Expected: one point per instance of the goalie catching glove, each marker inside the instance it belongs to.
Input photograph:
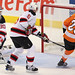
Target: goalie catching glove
(43, 36)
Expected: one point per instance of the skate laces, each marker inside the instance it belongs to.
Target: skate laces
(31, 67)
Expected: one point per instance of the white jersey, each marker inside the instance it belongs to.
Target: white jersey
(3, 30)
(25, 25)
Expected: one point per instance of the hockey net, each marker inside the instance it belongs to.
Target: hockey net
(51, 24)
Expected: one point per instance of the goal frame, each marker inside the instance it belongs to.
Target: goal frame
(42, 23)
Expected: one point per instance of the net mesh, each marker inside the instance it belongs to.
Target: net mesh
(53, 27)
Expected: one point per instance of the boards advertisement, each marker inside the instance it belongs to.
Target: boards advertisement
(71, 11)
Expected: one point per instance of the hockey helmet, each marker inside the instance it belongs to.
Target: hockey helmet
(0, 8)
(33, 6)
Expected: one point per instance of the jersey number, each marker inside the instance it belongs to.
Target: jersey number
(72, 27)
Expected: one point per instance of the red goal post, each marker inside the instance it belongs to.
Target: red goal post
(42, 23)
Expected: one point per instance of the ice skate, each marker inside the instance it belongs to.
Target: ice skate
(31, 68)
(9, 68)
(61, 63)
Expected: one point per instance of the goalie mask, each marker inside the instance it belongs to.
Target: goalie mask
(33, 6)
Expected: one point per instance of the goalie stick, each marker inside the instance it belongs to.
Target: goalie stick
(56, 43)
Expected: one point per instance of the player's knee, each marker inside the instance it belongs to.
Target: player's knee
(18, 51)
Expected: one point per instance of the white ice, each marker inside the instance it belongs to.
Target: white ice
(46, 63)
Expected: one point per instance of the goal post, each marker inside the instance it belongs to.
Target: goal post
(42, 17)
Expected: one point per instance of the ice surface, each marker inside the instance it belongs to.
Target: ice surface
(46, 63)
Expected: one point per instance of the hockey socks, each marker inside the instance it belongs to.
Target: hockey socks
(29, 64)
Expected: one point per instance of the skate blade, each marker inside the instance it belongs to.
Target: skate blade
(11, 70)
(62, 67)
(29, 71)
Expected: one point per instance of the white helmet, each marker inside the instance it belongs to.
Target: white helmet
(0, 8)
(33, 6)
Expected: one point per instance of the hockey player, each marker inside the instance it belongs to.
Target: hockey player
(69, 39)
(2, 33)
(25, 26)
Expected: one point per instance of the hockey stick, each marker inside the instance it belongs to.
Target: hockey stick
(56, 43)
(53, 42)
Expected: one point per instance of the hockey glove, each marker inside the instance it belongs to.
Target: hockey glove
(43, 36)
(28, 30)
